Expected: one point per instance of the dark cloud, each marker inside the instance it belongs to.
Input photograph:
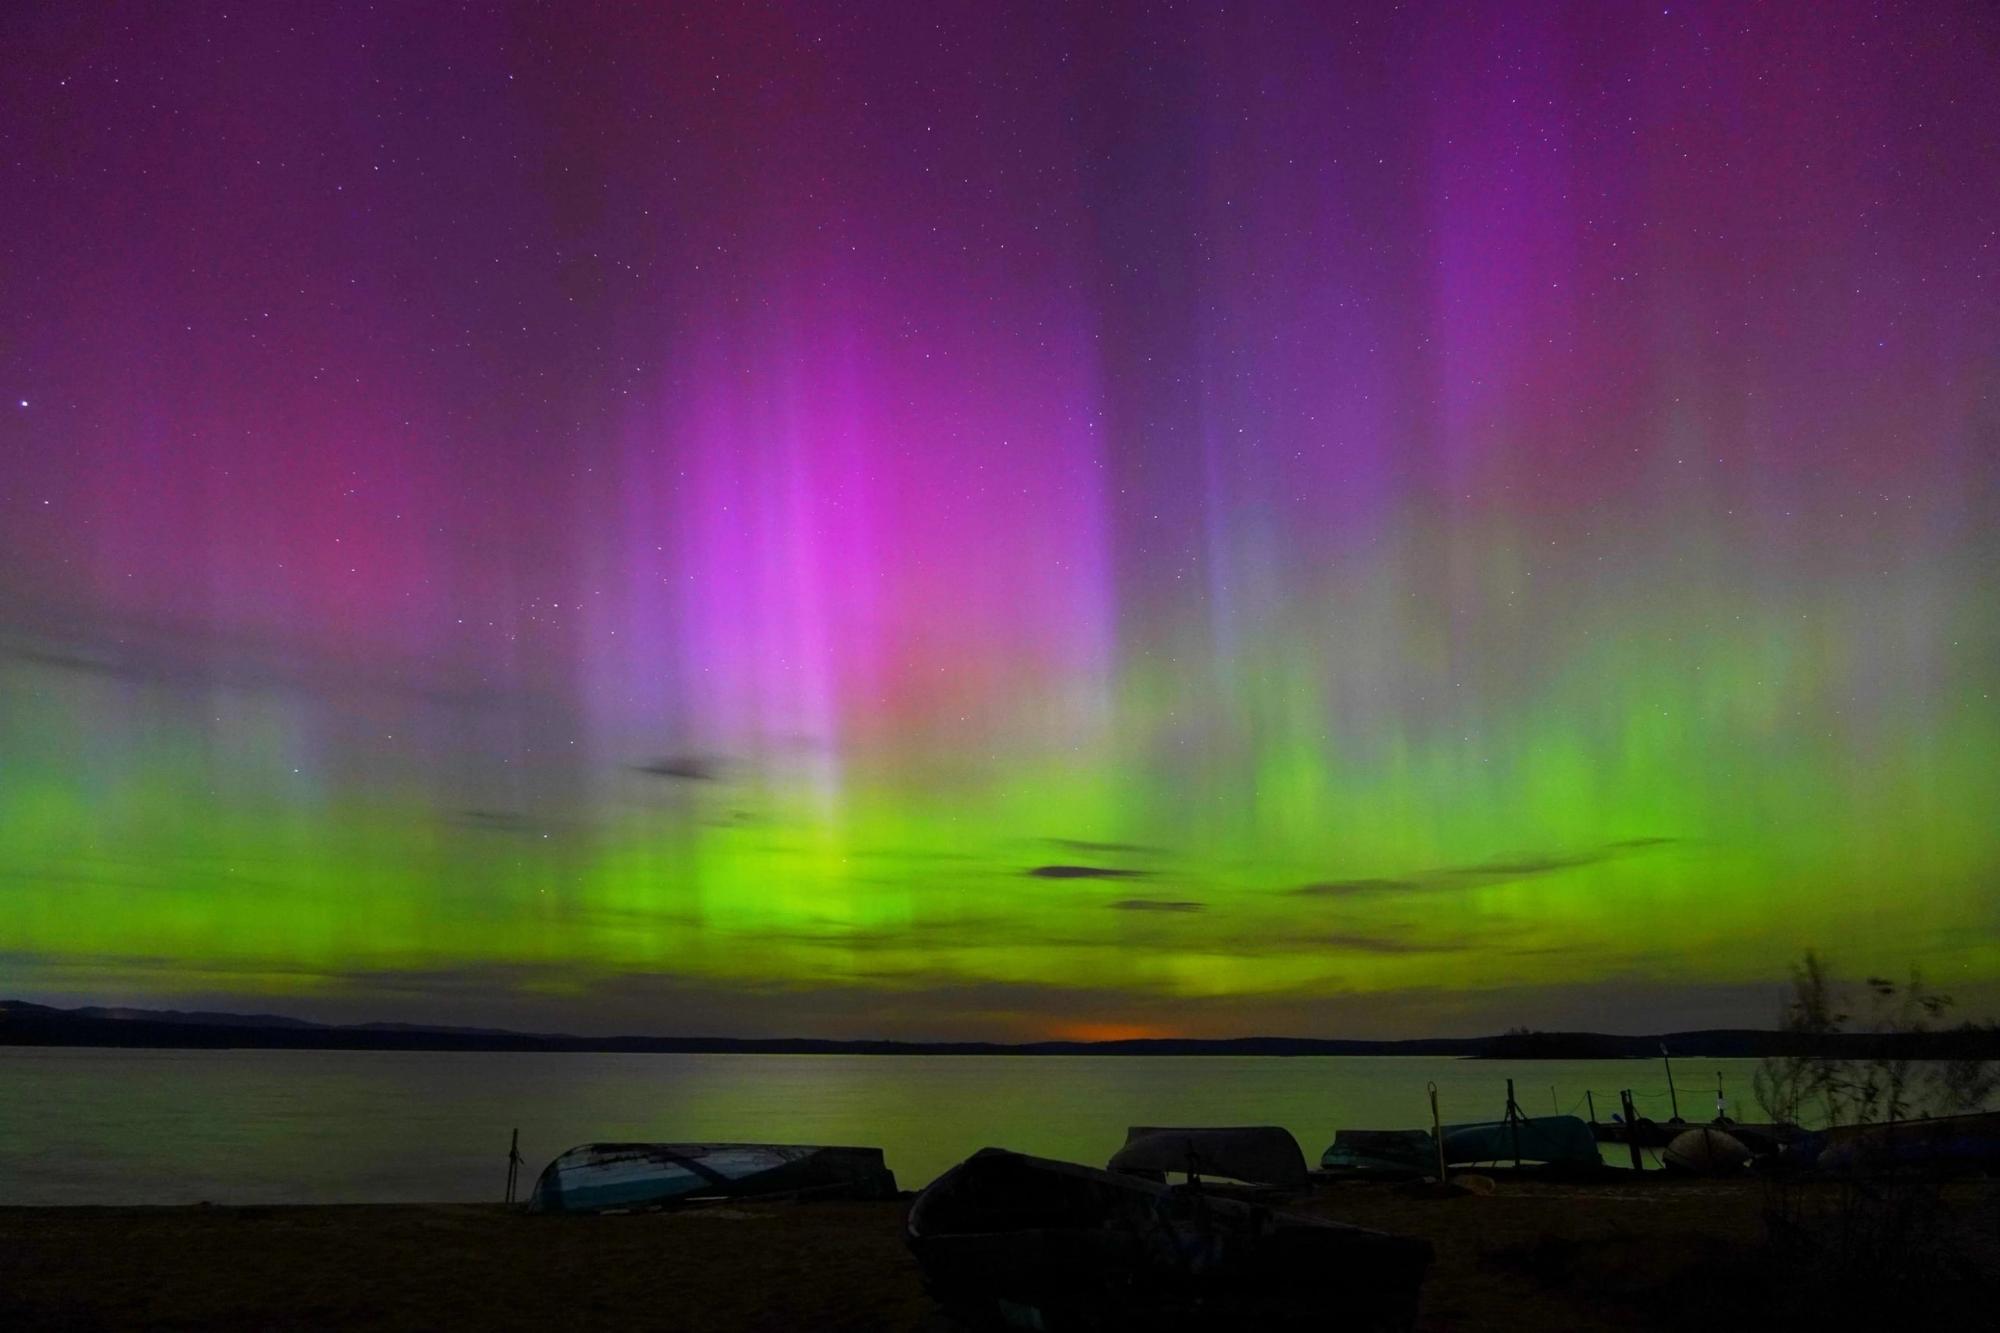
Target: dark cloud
(1101, 848)
(26, 962)
(1525, 867)
(1085, 872)
(59, 660)
(1382, 944)
(1341, 888)
(1159, 905)
(1499, 871)
(168, 655)
(495, 821)
(913, 855)
(684, 768)
(944, 934)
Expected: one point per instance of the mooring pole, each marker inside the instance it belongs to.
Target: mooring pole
(1631, 1128)
(1514, 1123)
(1437, 1130)
(1721, 1109)
(1674, 1096)
(513, 1164)
(1588, 1096)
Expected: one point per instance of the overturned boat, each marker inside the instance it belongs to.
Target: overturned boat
(1557, 1140)
(1954, 1143)
(1253, 1154)
(1551, 1140)
(603, 1177)
(1761, 1139)
(1392, 1154)
(1706, 1151)
(1011, 1241)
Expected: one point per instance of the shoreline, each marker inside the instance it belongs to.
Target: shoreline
(32, 1026)
(1531, 1255)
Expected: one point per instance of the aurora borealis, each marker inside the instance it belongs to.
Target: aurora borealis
(980, 520)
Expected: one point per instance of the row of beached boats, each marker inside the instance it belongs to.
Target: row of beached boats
(601, 1177)
(1950, 1144)
(1009, 1240)
(606, 1177)
(1191, 1227)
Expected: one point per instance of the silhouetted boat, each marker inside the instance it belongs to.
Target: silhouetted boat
(1944, 1143)
(601, 1177)
(1388, 1153)
(1007, 1240)
(1760, 1139)
(1705, 1151)
(1253, 1154)
(1555, 1140)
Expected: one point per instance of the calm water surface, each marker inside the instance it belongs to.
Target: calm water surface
(102, 1127)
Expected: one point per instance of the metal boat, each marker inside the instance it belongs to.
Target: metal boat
(1011, 1241)
(606, 1177)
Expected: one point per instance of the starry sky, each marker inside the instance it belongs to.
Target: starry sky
(972, 520)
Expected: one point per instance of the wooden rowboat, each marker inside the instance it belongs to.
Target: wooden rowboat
(606, 1177)
(1011, 1241)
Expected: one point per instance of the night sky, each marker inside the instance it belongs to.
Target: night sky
(963, 519)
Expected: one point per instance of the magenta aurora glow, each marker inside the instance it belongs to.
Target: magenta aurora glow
(971, 520)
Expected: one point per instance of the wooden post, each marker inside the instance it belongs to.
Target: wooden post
(1590, 1097)
(1513, 1123)
(1674, 1096)
(1721, 1107)
(1631, 1128)
(513, 1164)
(1437, 1131)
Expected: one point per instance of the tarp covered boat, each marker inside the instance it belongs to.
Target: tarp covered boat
(1760, 1139)
(1943, 1143)
(1563, 1140)
(598, 1177)
(1007, 1240)
(1558, 1139)
(1254, 1154)
(1705, 1151)
(1380, 1152)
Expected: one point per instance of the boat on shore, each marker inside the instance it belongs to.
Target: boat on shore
(1561, 1141)
(1705, 1151)
(1253, 1154)
(1953, 1143)
(1760, 1139)
(611, 1177)
(1007, 1240)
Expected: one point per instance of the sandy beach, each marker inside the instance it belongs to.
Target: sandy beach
(1530, 1256)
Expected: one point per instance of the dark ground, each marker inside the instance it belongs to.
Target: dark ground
(1530, 1256)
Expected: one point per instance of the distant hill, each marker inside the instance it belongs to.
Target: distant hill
(24, 1024)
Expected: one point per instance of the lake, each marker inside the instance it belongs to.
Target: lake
(85, 1126)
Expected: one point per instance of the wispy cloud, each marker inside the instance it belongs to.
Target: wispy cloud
(1382, 944)
(684, 767)
(1345, 888)
(1158, 905)
(496, 821)
(1498, 871)
(1102, 848)
(1085, 872)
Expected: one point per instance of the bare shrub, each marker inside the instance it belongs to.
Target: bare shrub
(1879, 1235)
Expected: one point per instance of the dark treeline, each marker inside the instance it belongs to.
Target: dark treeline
(23, 1024)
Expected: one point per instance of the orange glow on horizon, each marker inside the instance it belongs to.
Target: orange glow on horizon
(1092, 1031)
